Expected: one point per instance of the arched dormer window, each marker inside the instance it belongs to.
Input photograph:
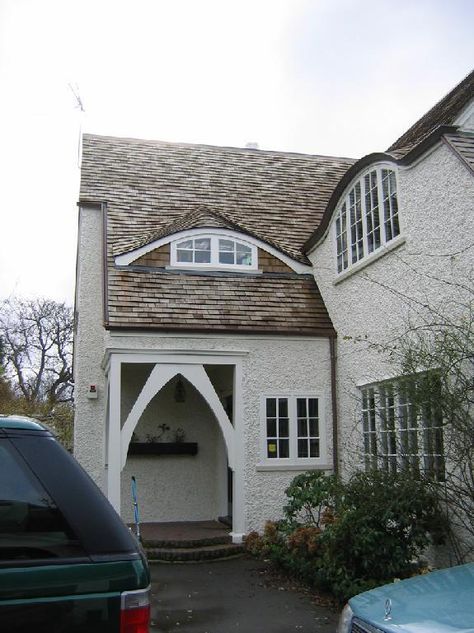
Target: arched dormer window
(367, 217)
(214, 251)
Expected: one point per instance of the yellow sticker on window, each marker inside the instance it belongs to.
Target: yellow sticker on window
(272, 448)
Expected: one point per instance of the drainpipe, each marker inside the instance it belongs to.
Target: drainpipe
(335, 458)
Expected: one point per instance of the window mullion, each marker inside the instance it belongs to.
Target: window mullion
(293, 427)
(364, 217)
(383, 236)
(214, 250)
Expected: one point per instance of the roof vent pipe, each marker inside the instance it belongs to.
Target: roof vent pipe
(251, 145)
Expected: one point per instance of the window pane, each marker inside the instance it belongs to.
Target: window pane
(244, 255)
(31, 525)
(186, 244)
(313, 427)
(284, 446)
(184, 256)
(314, 448)
(203, 244)
(301, 407)
(272, 449)
(283, 407)
(202, 257)
(303, 428)
(226, 245)
(313, 407)
(271, 428)
(271, 407)
(302, 448)
(283, 427)
(226, 258)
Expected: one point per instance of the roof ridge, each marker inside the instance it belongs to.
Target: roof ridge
(443, 112)
(230, 148)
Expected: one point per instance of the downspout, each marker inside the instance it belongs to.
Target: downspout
(335, 456)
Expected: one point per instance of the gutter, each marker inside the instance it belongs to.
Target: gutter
(335, 454)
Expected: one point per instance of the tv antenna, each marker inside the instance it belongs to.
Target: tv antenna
(77, 96)
(79, 106)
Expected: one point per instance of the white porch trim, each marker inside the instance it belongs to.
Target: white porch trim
(191, 367)
(114, 434)
(159, 377)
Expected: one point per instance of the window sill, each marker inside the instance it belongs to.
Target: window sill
(213, 269)
(292, 467)
(399, 241)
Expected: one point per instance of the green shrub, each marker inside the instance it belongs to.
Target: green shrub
(384, 522)
(311, 500)
(347, 538)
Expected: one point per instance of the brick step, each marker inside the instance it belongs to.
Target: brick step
(187, 543)
(193, 554)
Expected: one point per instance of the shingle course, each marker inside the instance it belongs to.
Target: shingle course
(247, 303)
(444, 112)
(463, 145)
(149, 185)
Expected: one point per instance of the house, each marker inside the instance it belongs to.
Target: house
(228, 301)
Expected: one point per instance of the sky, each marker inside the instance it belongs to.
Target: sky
(333, 77)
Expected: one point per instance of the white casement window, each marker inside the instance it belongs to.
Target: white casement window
(214, 251)
(292, 429)
(367, 217)
(401, 429)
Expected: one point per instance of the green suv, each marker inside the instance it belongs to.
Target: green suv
(67, 562)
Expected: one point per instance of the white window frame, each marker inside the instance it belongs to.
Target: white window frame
(389, 425)
(293, 460)
(214, 263)
(350, 252)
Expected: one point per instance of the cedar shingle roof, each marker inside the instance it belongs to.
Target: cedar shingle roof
(160, 300)
(463, 146)
(444, 112)
(148, 185)
(154, 189)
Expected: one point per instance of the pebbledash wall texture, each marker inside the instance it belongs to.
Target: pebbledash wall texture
(168, 489)
(423, 271)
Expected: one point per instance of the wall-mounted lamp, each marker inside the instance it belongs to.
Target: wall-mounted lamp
(179, 391)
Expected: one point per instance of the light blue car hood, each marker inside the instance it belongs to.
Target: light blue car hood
(439, 602)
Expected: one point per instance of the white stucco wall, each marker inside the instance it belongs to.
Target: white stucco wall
(89, 421)
(269, 366)
(381, 300)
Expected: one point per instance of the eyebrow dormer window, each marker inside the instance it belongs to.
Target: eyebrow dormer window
(214, 251)
(367, 218)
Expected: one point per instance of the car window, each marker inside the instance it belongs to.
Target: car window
(31, 525)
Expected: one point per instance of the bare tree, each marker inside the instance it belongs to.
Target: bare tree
(446, 349)
(37, 349)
